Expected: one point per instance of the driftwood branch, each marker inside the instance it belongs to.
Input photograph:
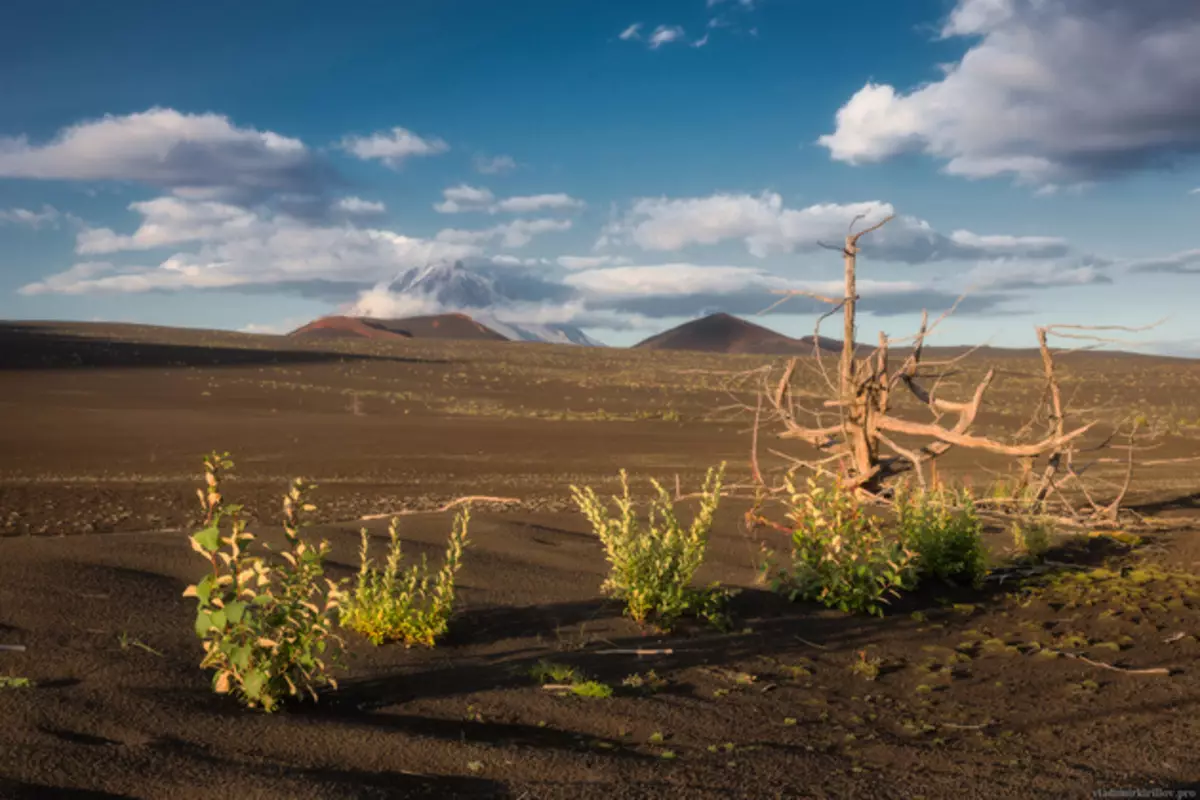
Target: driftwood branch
(452, 504)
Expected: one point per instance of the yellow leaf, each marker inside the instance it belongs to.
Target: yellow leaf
(190, 591)
(222, 685)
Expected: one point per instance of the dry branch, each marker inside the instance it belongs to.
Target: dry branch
(458, 502)
(853, 426)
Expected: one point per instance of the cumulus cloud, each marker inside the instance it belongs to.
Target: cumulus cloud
(494, 165)
(47, 217)
(161, 147)
(233, 247)
(393, 147)
(168, 221)
(665, 34)
(517, 233)
(767, 226)
(464, 198)
(356, 205)
(1061, 92)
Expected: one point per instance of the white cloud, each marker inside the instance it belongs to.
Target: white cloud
(766, 226)
(1186, 262)
(589, 262)
(168, 221)
(632, 32)
(517, 233)
(168, 149)
(495, 165)
(381, 303)
(538, 202)
(1005, 274)
(356, 205)
(233, 247)
(670, 279)
(665, 34)
(1051, 93)
(393, 147)
(48, 216)
(463, 198)
(703, 40)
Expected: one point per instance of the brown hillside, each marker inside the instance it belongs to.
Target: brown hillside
(725, 333)
(439, 326)
(354, 327)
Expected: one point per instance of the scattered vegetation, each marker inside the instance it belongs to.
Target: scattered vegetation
(561, 677)
(652, 564)
(942, 527)
(414, 605)
(1031, 537)
(266, 622)
(15, 682)
(841, 557)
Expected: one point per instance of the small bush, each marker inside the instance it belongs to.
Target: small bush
(266, 622)
(1032, 537)
(412, 606)
(840, 555)
(652, 565)
(945, 532)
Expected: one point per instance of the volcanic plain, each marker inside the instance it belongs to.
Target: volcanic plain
(102, 431)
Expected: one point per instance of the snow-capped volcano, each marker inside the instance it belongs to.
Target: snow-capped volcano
(454, 287)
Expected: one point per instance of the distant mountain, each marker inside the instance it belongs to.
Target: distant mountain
(348, 327)
(555, 334)
(451, 285)
(437, 326)
(725, 333)
(455, 286)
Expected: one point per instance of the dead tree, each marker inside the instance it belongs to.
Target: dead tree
(860, 442)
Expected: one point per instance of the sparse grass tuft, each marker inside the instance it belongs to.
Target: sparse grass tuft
(15, 682)
(652, 564)
(412, 605)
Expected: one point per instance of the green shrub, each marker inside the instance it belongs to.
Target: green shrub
(266, 623)
(1032, 536)
(652, 565)
(944, 530)
(412, 606)
(840, 555)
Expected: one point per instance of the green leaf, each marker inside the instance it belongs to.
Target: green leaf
(240, 657)
(217, 619)
(253, 683)
(203, 623)
(209, 538)
(204, 589)
(235, 610)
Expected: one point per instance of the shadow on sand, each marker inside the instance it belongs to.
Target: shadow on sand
(39, 347)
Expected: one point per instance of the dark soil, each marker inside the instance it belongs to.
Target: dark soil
(99, 461)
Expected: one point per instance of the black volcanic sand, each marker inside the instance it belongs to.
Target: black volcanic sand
(91, 452)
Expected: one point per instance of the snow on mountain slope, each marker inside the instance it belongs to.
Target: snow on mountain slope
(457, 288)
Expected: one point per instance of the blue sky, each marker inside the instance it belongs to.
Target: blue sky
(624, 165)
